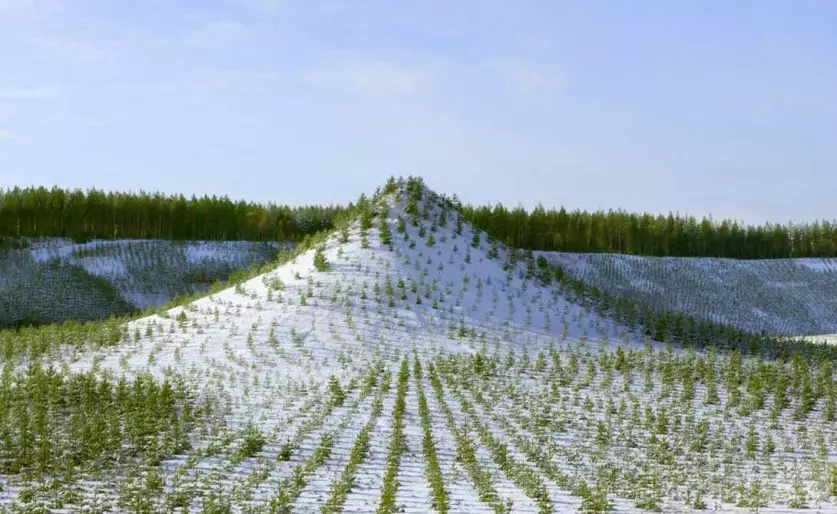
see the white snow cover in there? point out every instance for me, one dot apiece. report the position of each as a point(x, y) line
point(784, 297)
point(212, 350)
point(145, 272)
point(267, 348)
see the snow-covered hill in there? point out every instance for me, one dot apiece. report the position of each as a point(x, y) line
point(55, 279)
point(779, 296)
point(426, 374)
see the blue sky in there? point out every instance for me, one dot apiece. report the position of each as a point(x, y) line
point(706, 107)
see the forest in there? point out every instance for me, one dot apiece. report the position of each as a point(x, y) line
point(95, 214)
point(646, 234)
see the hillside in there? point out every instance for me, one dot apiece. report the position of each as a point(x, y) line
point(784, 297)
point(404, 365)
point(55, 279)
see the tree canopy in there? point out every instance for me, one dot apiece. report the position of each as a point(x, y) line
point(647, 234)
point(96, 214)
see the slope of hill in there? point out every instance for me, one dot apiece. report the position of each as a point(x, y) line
point(403, 365)
point(56, 280)
point(778, 296)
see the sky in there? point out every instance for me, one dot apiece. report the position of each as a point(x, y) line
point(694, 107)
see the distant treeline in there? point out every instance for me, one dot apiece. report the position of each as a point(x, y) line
point(94, 214)
point(646, 234)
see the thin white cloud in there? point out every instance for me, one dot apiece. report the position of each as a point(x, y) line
point(30, 93)
point(13, 5)
point(373, 77)
point(74, 50)
point(265, 6)
point(524, 78)
point(197, 87)
point(28, 6)
point(216, 34)
point(5, 134)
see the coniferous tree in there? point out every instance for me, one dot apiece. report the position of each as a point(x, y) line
point(320, 261)
point(385, 232)
point(85, 215)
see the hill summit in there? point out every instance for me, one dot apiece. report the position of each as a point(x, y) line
point(407, 274)
point(408, 363)
point(406, 278)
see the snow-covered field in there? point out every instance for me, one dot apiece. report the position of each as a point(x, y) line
point(780, 296)
point(55, 279)
point(429, 375)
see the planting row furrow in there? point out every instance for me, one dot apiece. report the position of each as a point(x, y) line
point(314, 485)
point(464, 456)
point(375, 477)
point(397, 445)
point(419, 462)
point(487, 464)
point(341, 487)
point(307, 438)
point(507, 444)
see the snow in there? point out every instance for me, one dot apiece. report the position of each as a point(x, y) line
point(103, 266)
point(329, 323)
point(785, 297)
point(144, 273)
point(818, 265)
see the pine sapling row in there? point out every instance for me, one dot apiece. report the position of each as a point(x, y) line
point(341, 488)
point(466, 453)
point(397, 444)
point(433, 471)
